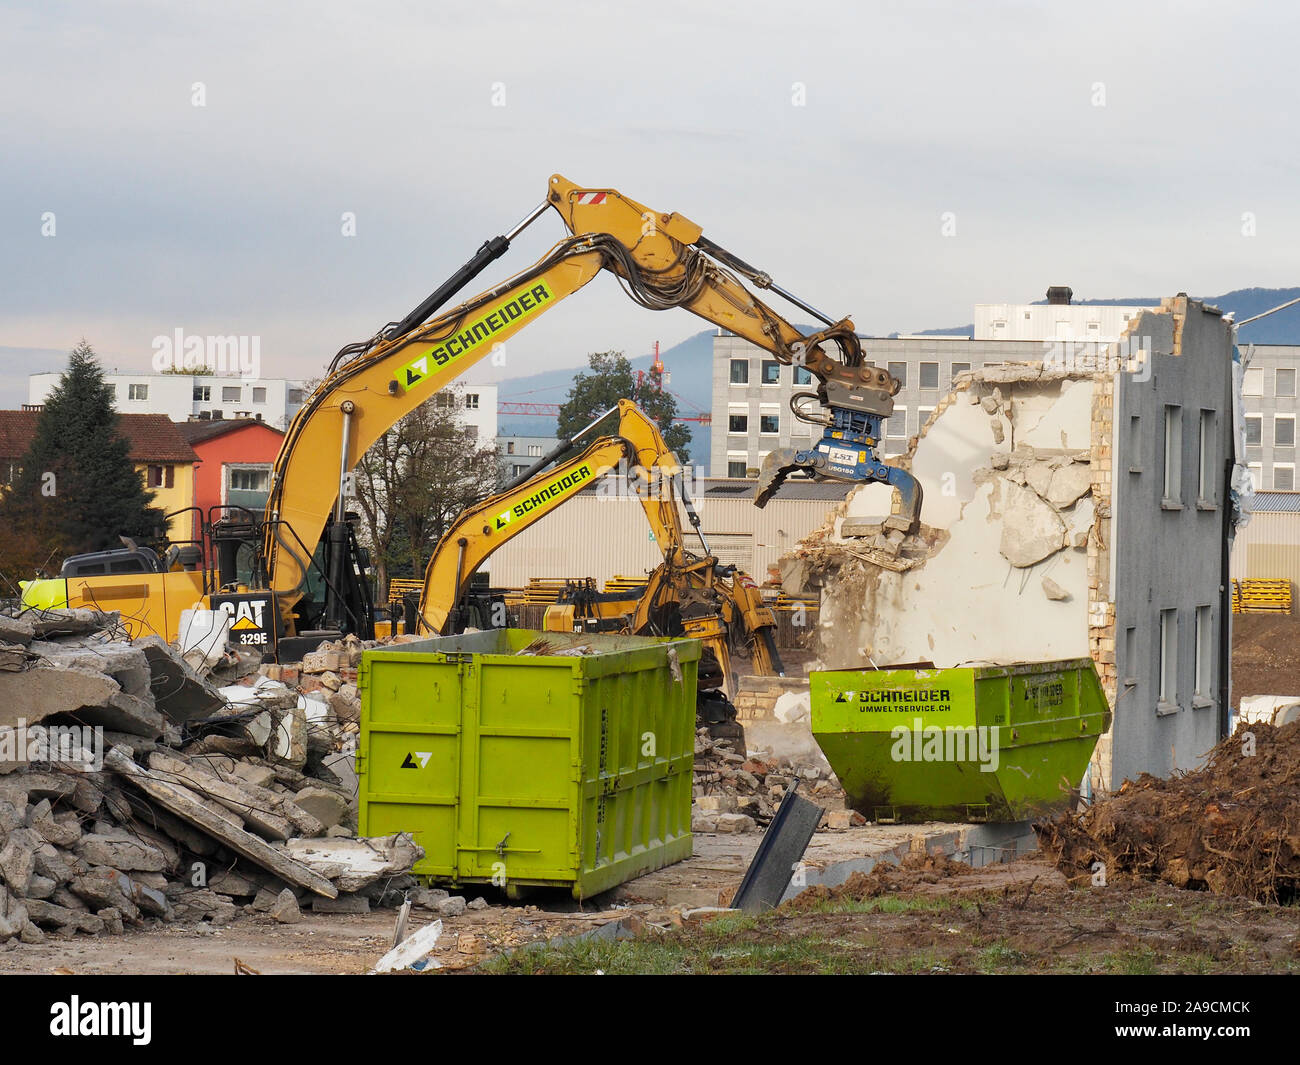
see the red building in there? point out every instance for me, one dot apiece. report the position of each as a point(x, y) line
point(235, 460)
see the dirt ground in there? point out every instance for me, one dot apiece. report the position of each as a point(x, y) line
point(1265, 655)
point(932, 915)
point(1017, 918)
point(339, 943)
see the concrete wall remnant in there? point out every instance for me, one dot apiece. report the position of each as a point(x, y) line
point(1030, 549)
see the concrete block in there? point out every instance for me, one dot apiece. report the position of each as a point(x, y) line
point(203, 905)
point(178, 690)
point(117, 853)
point(79, 621)
point(322, 662)
point(355, 863)
point(1069, 484)
point(259, 776)
point(233, 883)
point(342, 904)
point(18, 630)
point(736, 823)
point(453, 906)
point(18, 859)
point(328, 807)
point(288, 741)
point(1031, 529)
point(286, 909)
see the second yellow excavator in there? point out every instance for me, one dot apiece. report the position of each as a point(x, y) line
point(688, 594)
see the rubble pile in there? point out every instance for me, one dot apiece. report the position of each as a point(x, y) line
point(1231, 827)
point(133, 790)
point(734, 793)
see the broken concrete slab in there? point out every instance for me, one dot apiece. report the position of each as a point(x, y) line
point(102, 889)
point(95, 698)
point(356, 863)
point(18, 630)
point(189, 904)
point(122, 661)
point(235, 884)
point(1031, 529)
point(178, 690)
point(259, 815)
point(343, 904)
point(61, 833)
point(53, 863)
point(328, 807)
point(185, 805)
point(127, 854)
point(1069, 484)
point(258, 775)
point(253, 802)
point(288, 742)
point(49, 913)
point(78, 621)
point(18, 859)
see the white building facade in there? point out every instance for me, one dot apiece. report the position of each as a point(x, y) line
point(181, 397)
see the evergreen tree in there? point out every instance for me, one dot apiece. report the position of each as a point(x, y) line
point(611, 379)
point(77, 484)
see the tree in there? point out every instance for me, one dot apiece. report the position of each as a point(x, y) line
point(77, 488)
point(416, 480)
point(611, 379)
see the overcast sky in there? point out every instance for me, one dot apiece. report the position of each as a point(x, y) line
point(1111, 147)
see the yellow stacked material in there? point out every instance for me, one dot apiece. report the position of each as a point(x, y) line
point(398, 588)
point(1259, 596)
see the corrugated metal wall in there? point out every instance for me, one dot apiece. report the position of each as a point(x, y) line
point(603, 537)
point(1268, 547)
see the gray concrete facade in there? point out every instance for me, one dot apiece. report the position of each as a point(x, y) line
point(1173, 451)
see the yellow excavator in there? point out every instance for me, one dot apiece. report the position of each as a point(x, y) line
point(297, 573)
point(688, 594)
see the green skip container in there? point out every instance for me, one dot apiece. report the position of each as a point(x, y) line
point(974, 743)
point(568, 768)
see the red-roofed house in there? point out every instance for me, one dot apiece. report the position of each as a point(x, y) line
point(235, 459)
point(157, 448)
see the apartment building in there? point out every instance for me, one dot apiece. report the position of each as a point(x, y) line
point(181, 397)
point(1269, 398)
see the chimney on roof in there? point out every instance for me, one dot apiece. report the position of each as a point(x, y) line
point(1060, 295)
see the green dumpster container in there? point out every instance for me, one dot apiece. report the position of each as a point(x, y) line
point(571, 768)
point(981, 743)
